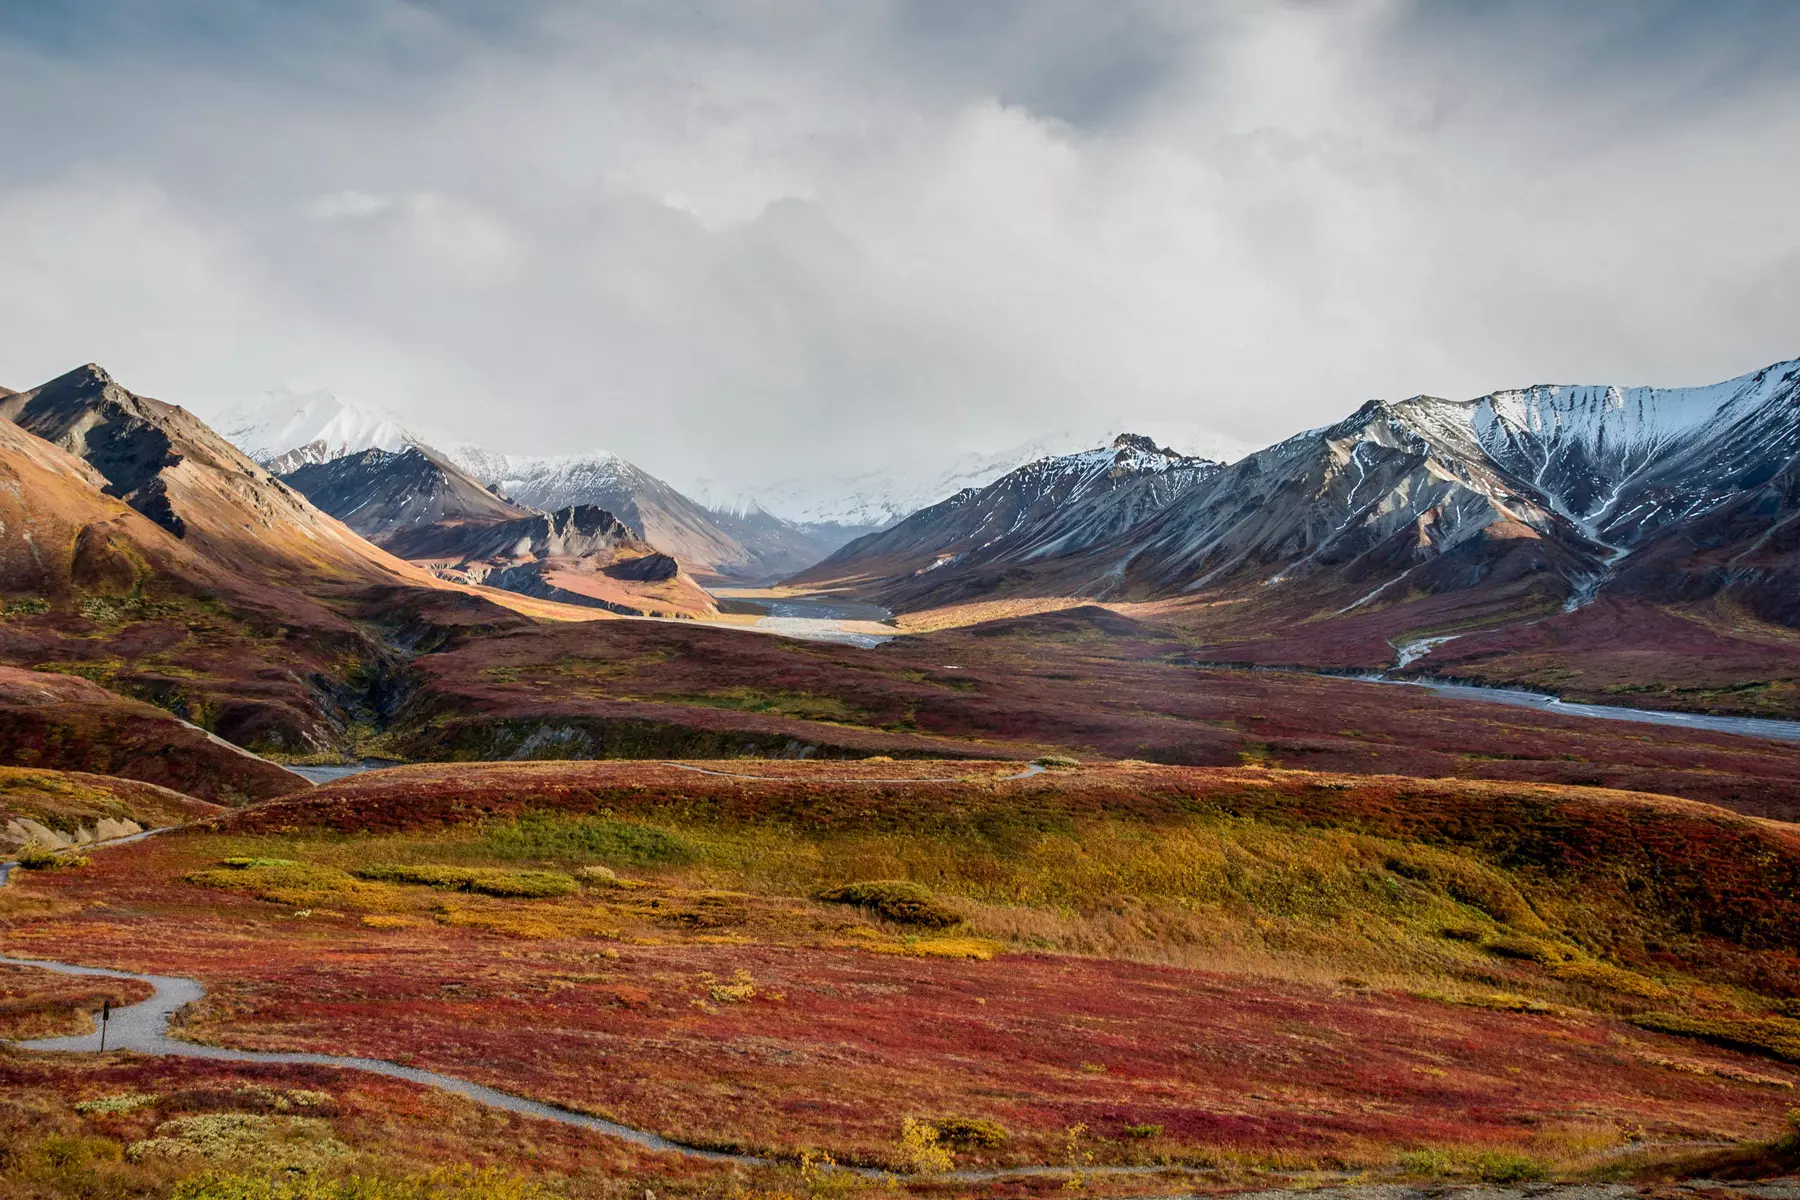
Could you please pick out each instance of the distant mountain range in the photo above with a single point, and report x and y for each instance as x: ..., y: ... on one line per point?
x: 286, y: 432
x: 1425, y: 515
x: 1519, y: 501
x: 877, y: 499
x: 419, y: 505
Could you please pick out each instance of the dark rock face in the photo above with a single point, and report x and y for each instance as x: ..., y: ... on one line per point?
x: 89, y: 415
x: 384, y: 494
x: 651, y: 568
x: 574, y: 532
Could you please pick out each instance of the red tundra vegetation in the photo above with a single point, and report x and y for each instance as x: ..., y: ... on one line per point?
x: 1218, y: 970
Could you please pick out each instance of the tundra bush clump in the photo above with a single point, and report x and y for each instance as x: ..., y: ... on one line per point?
x: 117, y: 1104
x: 488, y: 881
x: 969, y: 1131
x: 249, y: 1139
x: 1613, y: 979
x: 34, y: 857
x: 898, y: 900
x: 1775, y: 1037
x: 920, y: 1151
x: 622, y: 843
x: 1528, y: 948
x: 1495, y: 1167
x: 463, y: 1183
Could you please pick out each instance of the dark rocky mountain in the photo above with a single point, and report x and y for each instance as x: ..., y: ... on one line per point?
x: 1046, y: 514
x: 578, y: 555
x: 717, y: 547
x: 424, y: 508
x: 385, y: 493
x: 1526, y: 501
x: 171, y: 467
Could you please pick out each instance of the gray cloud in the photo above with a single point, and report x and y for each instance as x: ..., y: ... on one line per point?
x: 734, y: 240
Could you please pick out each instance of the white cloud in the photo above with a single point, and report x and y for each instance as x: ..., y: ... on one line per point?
x: 735, y: 244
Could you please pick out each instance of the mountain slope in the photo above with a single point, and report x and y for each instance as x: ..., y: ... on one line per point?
x: 716, y: 547
x: 286, y: 430
x: 981, y: 539
x: 1517, y: 502
x: 146, y: 554
x: 425, y: 509
x: 1346, y: 513
x: 384, y: 493
x: 579, y: 555
x: 168, y: 465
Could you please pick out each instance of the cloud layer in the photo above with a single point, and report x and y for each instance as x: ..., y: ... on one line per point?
x: 741, y: 241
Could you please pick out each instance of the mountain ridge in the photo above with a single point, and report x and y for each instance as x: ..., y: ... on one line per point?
x: 1536, y: 498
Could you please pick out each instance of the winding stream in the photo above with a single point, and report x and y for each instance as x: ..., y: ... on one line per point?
x: 1758, y: 727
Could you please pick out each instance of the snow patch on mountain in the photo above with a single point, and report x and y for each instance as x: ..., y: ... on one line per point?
x: 882, y: 497
x: 284, y: 429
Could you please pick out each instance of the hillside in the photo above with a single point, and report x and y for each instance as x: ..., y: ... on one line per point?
x: 1175, y: 978
x: 716, y: 546
x: 147, y: 555
x: 977, y: 540
x: 383, y: 493
x: 425, y: 509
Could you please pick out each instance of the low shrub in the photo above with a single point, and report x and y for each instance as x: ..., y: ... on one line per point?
x: 602, y: 877
x: 1528, y: 949
x: 63, y: 1151
x: 741, y: 987
x: 1775, y: 1037
x: 1495, y: 1167
x: 1495, y: 1001
x: 34, y: 856
x: 303, y: 885
x: 1613, y: 979
x: 898, y: 900
x: 972, y: 949
x: 1055, y: 760
x: 1463, y: 933
x: 487, y: 881
x: 247, y: 1139
x: 920, y: 1150
x: 622, y: 843
x: 1143, y: 1133
x: 116, y: 1104
x: 1789, y: 1142
x: 1425, y: 1162
x: 246, y: 864
x: 969, y: 1131
x: 463, y: 1183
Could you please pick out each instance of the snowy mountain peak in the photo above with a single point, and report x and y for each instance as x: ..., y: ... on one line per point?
x: 285, y: 430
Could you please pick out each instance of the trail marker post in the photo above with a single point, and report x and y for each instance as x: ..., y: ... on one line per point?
x: 105, y: 1016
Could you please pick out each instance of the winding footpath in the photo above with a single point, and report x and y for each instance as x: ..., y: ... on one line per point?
x: 144, y: 1027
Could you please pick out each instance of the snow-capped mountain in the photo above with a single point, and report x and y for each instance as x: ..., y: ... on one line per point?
x: 737, y: 547
x: 875, y: 499
x: 284, y: 429
x: 1546, y: 494
x: 1050, y: 509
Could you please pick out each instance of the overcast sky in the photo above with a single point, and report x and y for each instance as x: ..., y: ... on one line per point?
x: 732, y: 240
